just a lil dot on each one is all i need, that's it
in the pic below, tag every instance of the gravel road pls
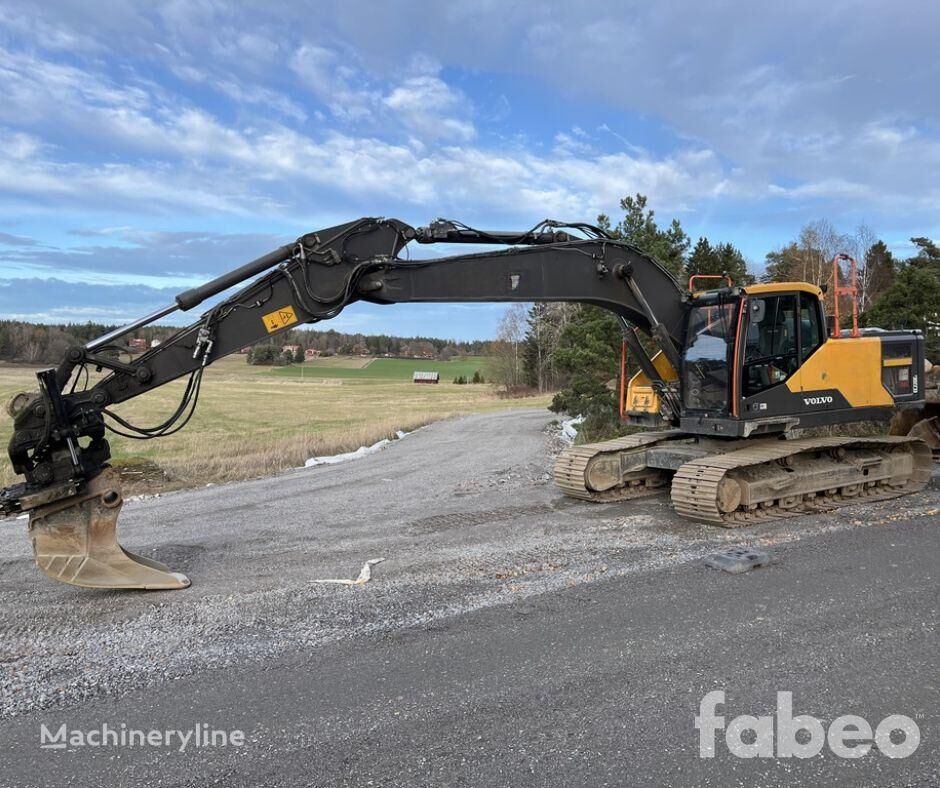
(511, 636)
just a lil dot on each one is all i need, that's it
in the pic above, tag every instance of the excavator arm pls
(60, 442)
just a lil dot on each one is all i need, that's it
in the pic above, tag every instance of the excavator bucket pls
(928, 430)
(75, 541)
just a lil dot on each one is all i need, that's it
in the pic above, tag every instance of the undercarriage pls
(734, 483)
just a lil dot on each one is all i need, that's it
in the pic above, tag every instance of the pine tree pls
(731, 262)
(878, 270)
(703, 260)
(587, 350)
(927, 252)
(639, 228)
(783, 264)
(589, 353)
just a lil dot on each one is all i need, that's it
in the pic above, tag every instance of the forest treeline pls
(36, 343)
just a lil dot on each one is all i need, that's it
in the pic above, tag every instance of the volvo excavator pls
(737, 374)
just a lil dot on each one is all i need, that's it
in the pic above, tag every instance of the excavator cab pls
(757, 360)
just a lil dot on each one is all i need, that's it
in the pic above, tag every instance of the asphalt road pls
(511, 636)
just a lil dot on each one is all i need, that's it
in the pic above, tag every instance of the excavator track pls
(779, 479)
(613, 470)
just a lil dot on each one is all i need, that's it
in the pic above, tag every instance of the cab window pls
(811, 331)
(709, 344)
(771, 352)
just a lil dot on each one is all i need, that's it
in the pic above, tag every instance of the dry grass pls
(250, 423)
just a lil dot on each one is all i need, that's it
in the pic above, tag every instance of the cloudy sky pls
(146, 147)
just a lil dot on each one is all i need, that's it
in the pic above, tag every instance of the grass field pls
(384, 368)
(253, 421)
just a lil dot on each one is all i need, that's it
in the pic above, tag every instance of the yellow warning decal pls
(280, 318)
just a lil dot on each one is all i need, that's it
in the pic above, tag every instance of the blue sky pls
(146, 147)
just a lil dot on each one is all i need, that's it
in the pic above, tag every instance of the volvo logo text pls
(818, 400)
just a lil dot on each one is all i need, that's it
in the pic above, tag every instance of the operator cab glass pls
(709, 354)
(776, 343)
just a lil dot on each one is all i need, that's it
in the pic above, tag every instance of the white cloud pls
(249, 170)
(422, 103)
(429, 107)
(48, 35)
(780, 105)
(336, 80)
(574, 142)
(242, 92)
(45, 183)
(193, 160)
(889, 137)
(835, 188)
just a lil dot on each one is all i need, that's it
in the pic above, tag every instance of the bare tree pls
(818, 243)
(507, 349)
(546, 324)
(864, 240)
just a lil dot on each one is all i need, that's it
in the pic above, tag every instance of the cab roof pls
(783, 287)
(765, 289)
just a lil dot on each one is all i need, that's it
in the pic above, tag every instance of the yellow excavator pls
(737, 375)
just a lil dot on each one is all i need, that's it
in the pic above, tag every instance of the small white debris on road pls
(365, 575)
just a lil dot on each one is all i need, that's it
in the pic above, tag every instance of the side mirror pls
(757, 309)
(831, 327)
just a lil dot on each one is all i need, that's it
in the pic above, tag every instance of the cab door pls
(812, 333)
(771, 343)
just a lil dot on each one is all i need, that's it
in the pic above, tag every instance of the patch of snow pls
(362, 451)
(569, 428)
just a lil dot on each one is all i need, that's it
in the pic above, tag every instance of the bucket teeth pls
(75, 541)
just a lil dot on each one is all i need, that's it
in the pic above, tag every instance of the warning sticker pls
(280, 318)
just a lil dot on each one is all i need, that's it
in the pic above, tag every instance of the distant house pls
(138, 345)
(426, 377)
(290, 349)
(154, 343)
(310, 353)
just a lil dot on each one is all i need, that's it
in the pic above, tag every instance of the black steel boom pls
(59, 437)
